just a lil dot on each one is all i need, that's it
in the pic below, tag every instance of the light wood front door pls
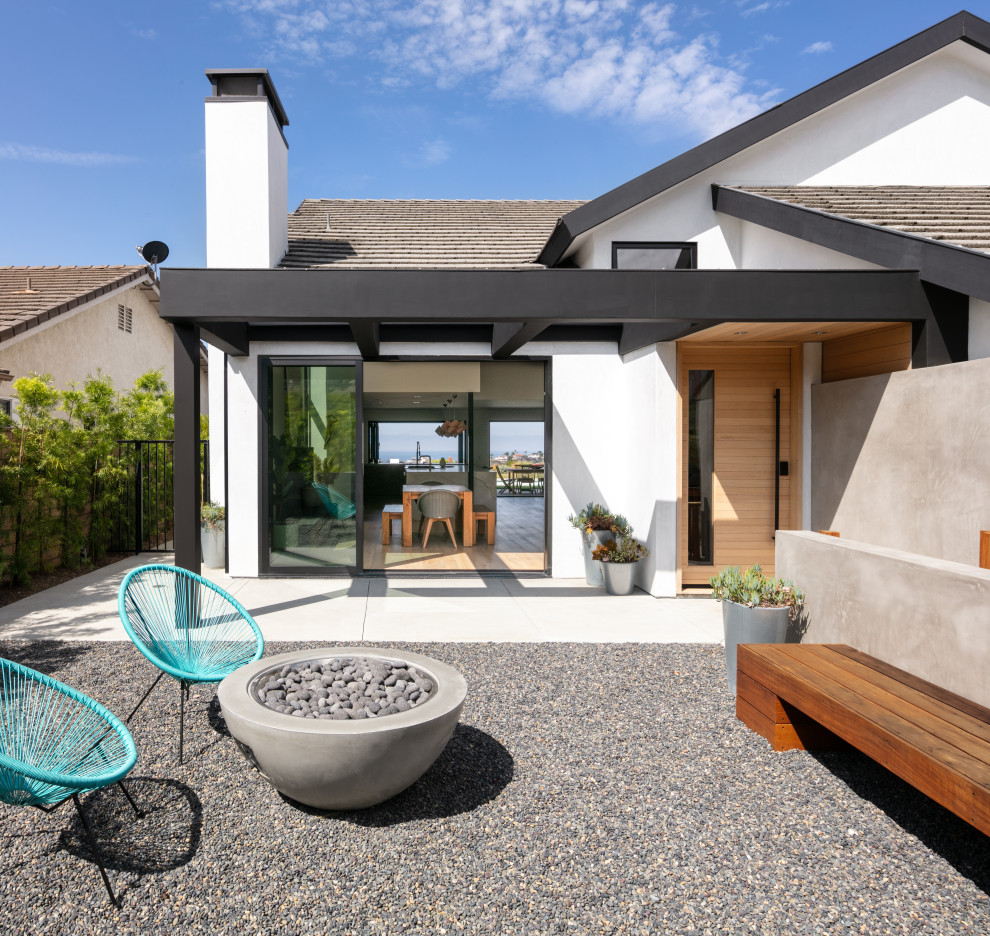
(729, 428)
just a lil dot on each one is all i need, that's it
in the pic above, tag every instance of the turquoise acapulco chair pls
(56, 744)
(188, 627)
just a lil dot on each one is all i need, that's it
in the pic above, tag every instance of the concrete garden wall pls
(900, 460)
(927, 616)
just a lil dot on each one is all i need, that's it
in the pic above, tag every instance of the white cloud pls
(816, 48)
(144, 33)
(42, 154)
(613, 58)
(431, 153)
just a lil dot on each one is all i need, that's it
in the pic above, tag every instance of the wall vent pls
(125, 319)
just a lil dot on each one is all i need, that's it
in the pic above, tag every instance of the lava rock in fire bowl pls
(342, 727)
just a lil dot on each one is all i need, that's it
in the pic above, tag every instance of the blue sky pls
(101, 146)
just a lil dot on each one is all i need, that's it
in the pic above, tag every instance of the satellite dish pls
(154, 252)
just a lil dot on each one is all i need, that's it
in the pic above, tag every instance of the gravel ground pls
(590, 789)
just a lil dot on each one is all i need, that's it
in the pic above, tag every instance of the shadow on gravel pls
(45, 656)
(166, 838)
(471, 770)
(956, 841)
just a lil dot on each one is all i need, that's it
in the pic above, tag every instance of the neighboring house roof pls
(425, 234)
(941, 231)
(30, 296)
(962, 26)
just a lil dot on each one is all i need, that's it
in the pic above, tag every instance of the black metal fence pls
(144, 514)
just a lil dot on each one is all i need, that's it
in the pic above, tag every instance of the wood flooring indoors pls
(518, 545)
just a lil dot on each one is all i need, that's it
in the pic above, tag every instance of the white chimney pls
(246, 170)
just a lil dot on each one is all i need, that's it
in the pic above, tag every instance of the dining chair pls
(56, 744)
(506, 484)
(439, 505)
(188, 627)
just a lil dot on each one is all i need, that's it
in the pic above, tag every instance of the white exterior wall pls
(615, 446)
(246, 185)
(74, 345)
(927, 124)
(979, 329)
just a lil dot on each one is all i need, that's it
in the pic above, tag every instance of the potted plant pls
(618, 560)
(597, 525)
(755, 609)
(212, 534)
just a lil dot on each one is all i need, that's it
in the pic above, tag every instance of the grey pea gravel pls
(589, 789)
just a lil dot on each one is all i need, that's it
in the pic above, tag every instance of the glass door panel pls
(312, 462)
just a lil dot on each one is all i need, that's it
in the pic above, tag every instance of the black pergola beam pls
(598, 297)
(949, 265)
(636, 335)
(185, 451)
(509, 337)
(229, 337)
(367, 336)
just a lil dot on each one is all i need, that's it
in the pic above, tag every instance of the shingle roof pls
(956, 214)
(434, 234)
(32, 295)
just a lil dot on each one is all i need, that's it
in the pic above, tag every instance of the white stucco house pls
(712, 348)
(70, 321)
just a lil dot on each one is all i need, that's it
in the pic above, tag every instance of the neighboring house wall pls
(900, 460)
(929, 123)
(74, 345)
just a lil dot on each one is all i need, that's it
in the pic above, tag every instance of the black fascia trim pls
(960, 26)
(636, 335)
(690, 246)
(949, 265)
(608, 333)
(446, 297)
(229, 337)
(300, 332)
(399, 332)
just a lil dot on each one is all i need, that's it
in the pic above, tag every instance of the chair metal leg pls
(183, 692)
(127, 720)
(130, 799)
(94, 849)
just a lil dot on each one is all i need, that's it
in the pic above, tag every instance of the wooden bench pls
(390, 512)
(486, 515)
(813, 696)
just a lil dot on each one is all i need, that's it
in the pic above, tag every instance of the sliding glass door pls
(313, 485)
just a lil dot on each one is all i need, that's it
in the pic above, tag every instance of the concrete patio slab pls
(455, 609)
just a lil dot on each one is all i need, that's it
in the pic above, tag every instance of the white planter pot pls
(212, 542)
(593, 569)
(619, 577)
(746, 625)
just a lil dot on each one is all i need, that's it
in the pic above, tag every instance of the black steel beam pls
(944, 337)
(548, 296)
(509, 337)
(636, 335)
(367, 335)
(948, 265)
(229, 337)
(185, 452)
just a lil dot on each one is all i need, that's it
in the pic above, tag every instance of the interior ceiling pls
(432, 404)
(786, 332)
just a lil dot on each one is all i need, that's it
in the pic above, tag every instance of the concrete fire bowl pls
(341, 764)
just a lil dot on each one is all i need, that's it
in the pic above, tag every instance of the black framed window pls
(654, 255)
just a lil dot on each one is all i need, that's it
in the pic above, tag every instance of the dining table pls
(412, 492)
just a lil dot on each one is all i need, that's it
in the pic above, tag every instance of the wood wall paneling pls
(880, 351)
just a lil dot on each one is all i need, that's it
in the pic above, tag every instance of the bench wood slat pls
(942, 772)
(911, 709)
(971, 708)
(976, 728)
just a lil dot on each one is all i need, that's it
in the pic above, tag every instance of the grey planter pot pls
(212, 542)
(593, 569)
(747, 625)
(619, 577)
